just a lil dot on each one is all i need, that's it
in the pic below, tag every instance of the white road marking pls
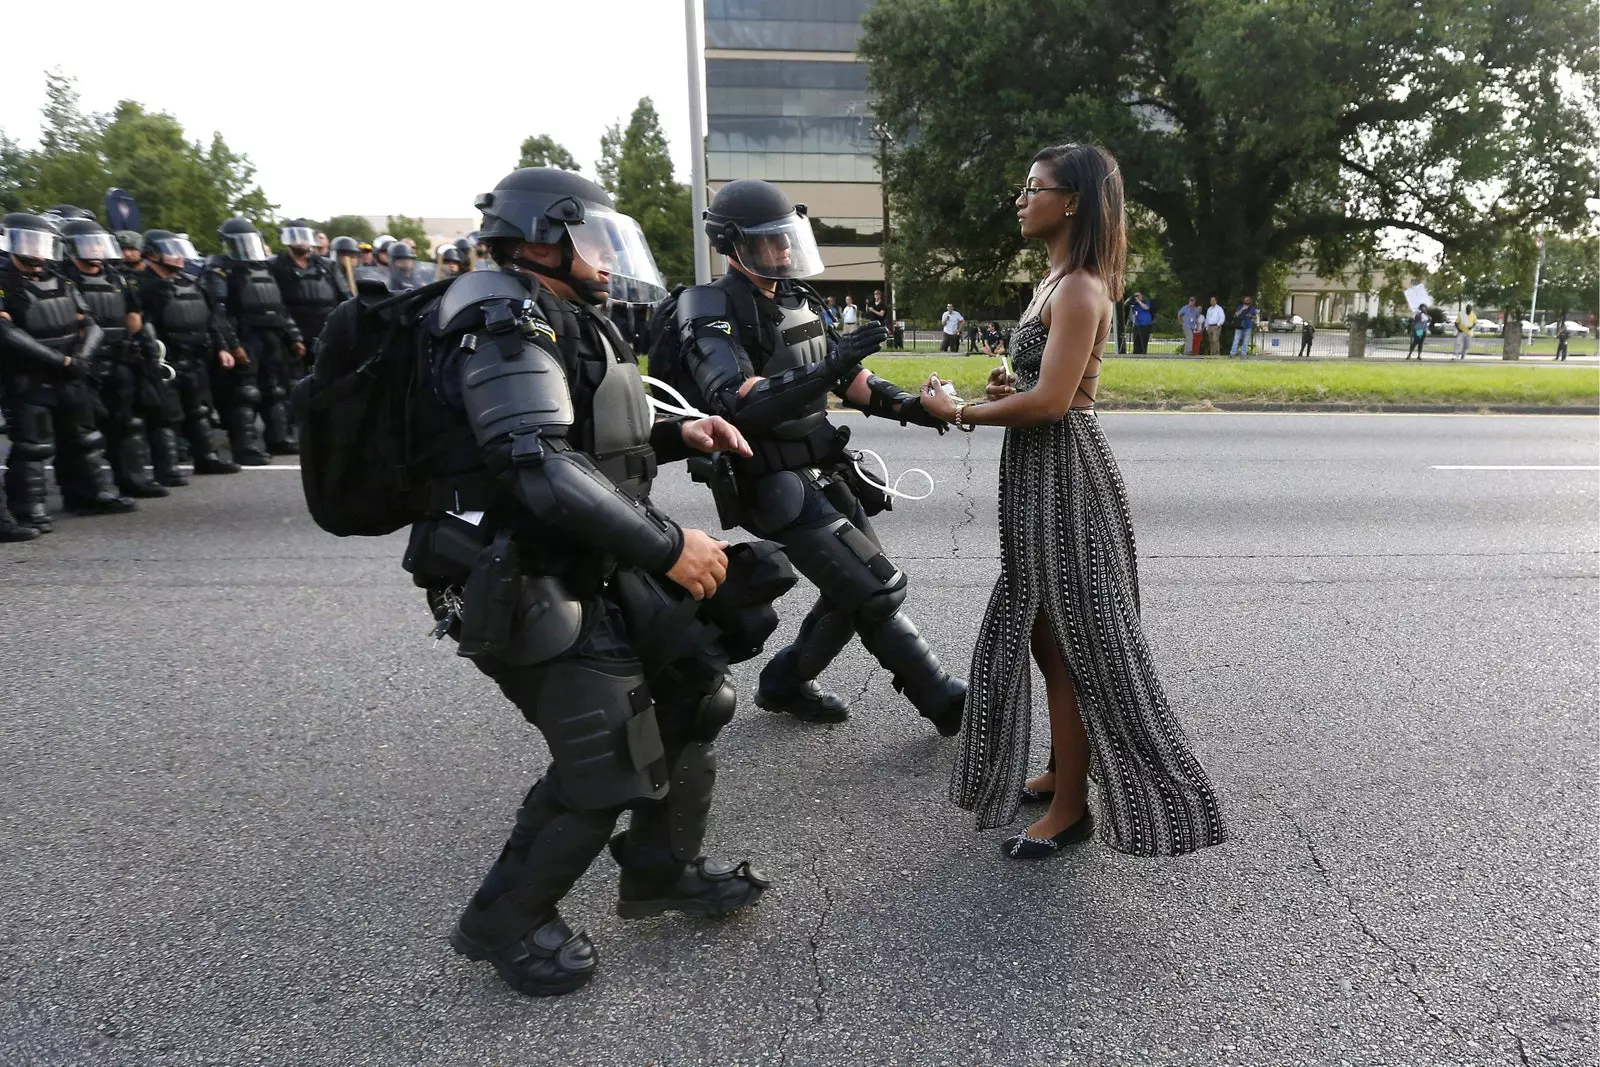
(1519, 467)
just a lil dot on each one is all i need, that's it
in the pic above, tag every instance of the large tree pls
(407, 228)
(1257, 132)
(178, 184)
(542, 150)
(636, 168)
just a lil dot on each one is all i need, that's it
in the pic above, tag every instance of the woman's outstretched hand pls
(1001, 384)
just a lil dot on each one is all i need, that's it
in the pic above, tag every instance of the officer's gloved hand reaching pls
(855, 347)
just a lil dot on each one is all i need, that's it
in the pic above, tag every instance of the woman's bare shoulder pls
(1077, 294)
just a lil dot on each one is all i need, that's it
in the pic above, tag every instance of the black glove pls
(855, 347)
(911, 411)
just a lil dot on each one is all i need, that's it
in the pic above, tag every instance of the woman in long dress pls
(1068, 587)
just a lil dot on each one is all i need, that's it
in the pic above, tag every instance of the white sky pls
(325, 104)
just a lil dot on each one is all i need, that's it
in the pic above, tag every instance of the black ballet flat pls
(1037, 796)
(1023, 847)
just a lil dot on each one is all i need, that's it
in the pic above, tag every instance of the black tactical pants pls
(194, 408)
(238, 397)
(619, 741)
(53, 418)
(277, 368)
(131, 411)
(826, 535)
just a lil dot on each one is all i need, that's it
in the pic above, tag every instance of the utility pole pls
(1538, 269)
(885, 139)
(697, 142)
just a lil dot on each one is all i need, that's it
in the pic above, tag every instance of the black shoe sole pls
(803, 712)
(703, 909)
(473, 950)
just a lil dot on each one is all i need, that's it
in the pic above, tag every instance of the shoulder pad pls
(704, 302)
(480, 286)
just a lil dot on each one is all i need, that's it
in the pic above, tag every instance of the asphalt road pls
(245, 796)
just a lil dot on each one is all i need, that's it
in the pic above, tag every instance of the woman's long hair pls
(1099, 241)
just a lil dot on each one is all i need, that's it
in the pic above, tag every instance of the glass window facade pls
(785, 25)
(789, 120)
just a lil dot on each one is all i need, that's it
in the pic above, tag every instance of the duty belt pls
(820, 448)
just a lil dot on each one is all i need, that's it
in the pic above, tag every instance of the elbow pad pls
(711, 354)
(782, 397)
(565, 489)
(20, 343)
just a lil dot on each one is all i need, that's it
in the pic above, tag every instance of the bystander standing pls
(1244, 317)
(849, 315)
(1562, 336)
(1419, 331)
(1307, 332)
(950, 325)
(1464, 326)
(1144, 318)
(1193, 321)
(1215, 317)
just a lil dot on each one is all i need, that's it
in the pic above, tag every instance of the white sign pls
(1417, 296)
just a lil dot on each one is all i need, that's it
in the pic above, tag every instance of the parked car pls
(1282, 325)
(1574, 329)
(1489, 327)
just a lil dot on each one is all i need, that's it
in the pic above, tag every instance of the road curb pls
(1334, 406)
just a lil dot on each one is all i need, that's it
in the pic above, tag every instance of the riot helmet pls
(241, 241)
(399, 250)
(168, 249)
(68, 211)
(345, 246)
(753, 222)
(31, 239)
(546, 205)
(86, 239)
(129, 239)
(297, 234)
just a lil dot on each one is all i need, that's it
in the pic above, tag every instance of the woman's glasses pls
(1029, 190)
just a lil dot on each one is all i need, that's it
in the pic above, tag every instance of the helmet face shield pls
(94, 246)
(176, 251)
(246, 246)
(297, 236)
(33, 244)
(614, 243)
(782, 248)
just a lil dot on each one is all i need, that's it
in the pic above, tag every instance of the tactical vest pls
(613, 414)
(184, 316)
(254, 298)
(50, 314)
(310, 286)
(799, 340)
(108, 304)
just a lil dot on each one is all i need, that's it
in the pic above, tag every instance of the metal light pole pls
(697, 142)
(884, 140)
(1537, 270)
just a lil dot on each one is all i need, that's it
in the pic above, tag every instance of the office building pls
(786, 100)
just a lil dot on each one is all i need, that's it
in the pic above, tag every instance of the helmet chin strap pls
(589, 290)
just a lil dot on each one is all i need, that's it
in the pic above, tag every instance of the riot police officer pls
(196, 334)
(449, 261)
(759, 353)
(380, 250)
(128, 356)
(240, 283)
(308, 282)
(611, 648)
(132, 243)
(49, 346)
(347, 259)
(402, 266)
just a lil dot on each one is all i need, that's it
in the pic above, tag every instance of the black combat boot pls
(547, 961)
(708, 888)
(164, 457)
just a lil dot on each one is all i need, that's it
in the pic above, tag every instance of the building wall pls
(786, 101)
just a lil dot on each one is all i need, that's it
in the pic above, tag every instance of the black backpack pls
(665, 353)
(360, 460)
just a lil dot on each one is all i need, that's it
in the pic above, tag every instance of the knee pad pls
(92, 441)
(134, 425)
(37, 451)
(713, 713)
(249, 394)
(605, 742)
(843, 563)
(883, 605)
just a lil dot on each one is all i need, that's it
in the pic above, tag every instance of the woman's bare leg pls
(1068, 740)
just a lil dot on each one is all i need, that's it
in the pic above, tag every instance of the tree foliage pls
(541, 150)
(406, 228)
(1257, 132)
(349, 226)
(179, 185)
(635, 166)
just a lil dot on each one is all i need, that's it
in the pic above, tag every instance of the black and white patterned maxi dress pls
(1066, 548)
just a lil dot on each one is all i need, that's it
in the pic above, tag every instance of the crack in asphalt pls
(1409, 966)
(815, 940)
(969, 506)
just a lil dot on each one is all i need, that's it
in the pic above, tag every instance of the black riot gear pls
(540, 434)
(345, 245)
(310, 291)
(795, 489)
(547, 205)
(247, 292)
(49, 347)
(86, 239)
(753, 222)
(193, 330)
(32, 239)
(129, 239)
(241, 241)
